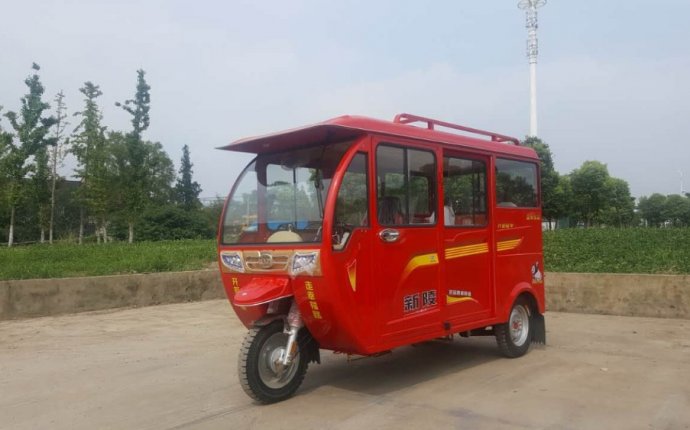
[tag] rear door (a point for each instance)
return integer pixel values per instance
(467, 287)
(406, 260)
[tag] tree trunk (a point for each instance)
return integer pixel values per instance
(81, 226)
(52, 196)
(105, 231)
(43, 235)
(131, 233)
(10, 239)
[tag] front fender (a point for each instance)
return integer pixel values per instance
(261, 290)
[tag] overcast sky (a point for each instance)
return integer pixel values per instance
(613, 76)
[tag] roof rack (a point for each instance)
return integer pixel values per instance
(406, 118)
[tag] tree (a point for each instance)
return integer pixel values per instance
(134, 201)
(40, 190)
(89, 147)
(652, 209)
(591, 191)
(552, 209)
(5, 151)
(187, 191)
(676, 209)
(57, 155)
(171, 223)
(155, 185)
(562, 198)
(620, 209)
(31, 129)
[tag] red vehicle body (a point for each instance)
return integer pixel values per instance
(380, 234)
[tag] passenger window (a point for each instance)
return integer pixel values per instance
(516, 184)
(406, 185)
(464, 190)
(352, 203)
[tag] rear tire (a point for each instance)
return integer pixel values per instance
(256, 365)
(515, 336)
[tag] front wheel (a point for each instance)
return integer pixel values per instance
(262, 375)
(515, 336)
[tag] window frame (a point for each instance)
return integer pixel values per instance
(537, 171)
(486, 161)
(435, 189)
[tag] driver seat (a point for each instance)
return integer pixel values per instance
(284, 236)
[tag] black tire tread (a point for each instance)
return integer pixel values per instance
(502, 332)
(251, 385)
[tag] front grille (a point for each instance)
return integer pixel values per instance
(257, 263)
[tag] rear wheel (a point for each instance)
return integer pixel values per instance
(261, 373)
(515, 336)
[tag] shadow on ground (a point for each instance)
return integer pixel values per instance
(403, 368)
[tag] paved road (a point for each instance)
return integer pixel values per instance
(174, 367)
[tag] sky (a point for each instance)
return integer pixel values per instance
(612, 76)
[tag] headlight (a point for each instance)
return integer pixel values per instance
(304, 262)
(232, 260)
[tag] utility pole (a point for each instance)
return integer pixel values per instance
(530, 7)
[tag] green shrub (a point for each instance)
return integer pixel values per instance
(68, 259)
(611, 250)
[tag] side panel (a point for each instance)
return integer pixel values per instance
(407, 268)
(519, 258)
(468, 284)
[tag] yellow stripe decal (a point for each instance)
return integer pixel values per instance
(417, 262)
(507, 245)
(450, 299)
(464, 251)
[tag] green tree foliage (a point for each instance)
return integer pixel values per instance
(562, 197)
(92, 153)
(553, 206)
(40, 189)
(620, 210)
(31, 129)
(155, 185)
(211, 213)
(658, 210)
(186, 190)
(5, 180)
(171, 223)
(676, 210)
(134, 173)
(652, 209)
(591, 192)
(57, 155)
(598, 198)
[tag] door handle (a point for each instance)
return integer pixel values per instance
(389, 235)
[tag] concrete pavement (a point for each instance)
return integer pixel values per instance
(174, 367)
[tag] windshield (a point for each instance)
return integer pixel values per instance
(279, 198)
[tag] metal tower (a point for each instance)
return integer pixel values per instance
(682, 188)
(530, 8)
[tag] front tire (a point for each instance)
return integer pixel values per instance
(260, 374)
(515, 336)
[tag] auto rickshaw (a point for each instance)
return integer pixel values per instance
(359, 235)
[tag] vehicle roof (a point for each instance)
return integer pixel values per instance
(350, 127)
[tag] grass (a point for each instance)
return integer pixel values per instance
(637, 250)
(609, 250)
(67, 260)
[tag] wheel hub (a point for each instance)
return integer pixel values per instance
(519, 325)
(272, 372)
(275, 361)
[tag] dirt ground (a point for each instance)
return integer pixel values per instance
(174, 367)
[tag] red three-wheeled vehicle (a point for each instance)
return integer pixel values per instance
(359, 236)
